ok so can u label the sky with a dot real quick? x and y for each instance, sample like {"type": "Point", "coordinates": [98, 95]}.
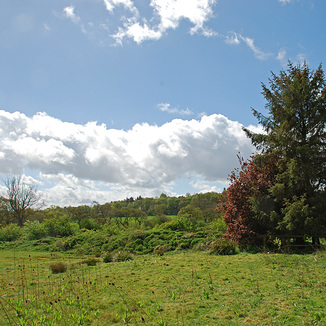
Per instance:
{"type": "Point", "coordinates": [101, 100]}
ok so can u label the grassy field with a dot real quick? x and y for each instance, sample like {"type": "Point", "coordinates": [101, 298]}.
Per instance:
{"type": "Point", "coordinates": [179, 288]}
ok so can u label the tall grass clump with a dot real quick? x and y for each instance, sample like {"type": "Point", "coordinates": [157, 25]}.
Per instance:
{"type": "Point", "coordinates": [223, 246]}
{"type": "Point", "coordinates": [58, 267]}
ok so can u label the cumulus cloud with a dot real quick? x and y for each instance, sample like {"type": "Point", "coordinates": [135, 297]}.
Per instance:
{"type": "Point", "coordinates": [166, 107]}
{"type": "Point", "coordinates": [145, 158]}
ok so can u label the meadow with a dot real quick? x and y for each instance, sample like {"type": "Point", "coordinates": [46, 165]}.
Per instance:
{"type": "Point", "coordinates": [175, 288]}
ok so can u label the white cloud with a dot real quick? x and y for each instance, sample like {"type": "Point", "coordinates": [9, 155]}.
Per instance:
{"type": "Point", "coordinates": [171, 12]}
{"type": "Point", "coordinates": [127, 4]}
{"type": "Point", "coordinates": [166, 107]}
{"type": "Point", "coordinates": [69, 12]}
{"type": "Point", "coordinates": [92, 162]}
{"type": "Point", "coordinates": [167, 15]}
{"type": "Point", "coordinates": [203, 186]}
{"type": "Point", "coordinates": [282, 57]}
{"type": "Point", "coordinates": [139, 33]}
{"type": "Point", "coordinates": [259, 54]}
{"type": "Point", "coordinates": [234, 38]}
{"type": "Point", "coordinates": [284, 2]}
{"type": "Point", "coordinates": [46, 27]}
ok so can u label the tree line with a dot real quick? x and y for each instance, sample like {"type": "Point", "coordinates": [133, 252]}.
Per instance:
{"type": "Point", "coordinates": [23, 204]}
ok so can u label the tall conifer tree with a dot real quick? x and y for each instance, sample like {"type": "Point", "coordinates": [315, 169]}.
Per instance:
{"type": "Point", "coordinates": [295, 133]}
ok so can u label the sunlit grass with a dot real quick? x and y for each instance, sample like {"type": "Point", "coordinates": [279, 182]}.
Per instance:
{"type": "Point", "coordinates": [186, 288]}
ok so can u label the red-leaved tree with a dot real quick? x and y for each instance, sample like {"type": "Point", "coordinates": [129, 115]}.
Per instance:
{"type": "Point", "coordinates": [248, 204]}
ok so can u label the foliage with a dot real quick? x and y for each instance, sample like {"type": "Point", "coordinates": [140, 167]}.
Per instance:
{"type": "Point", "coordinates": [248, 204]}
{"type": "Point", "coordinates": [34, 230]}
{"type": "Point", "coordinates": [107, 257]}
{"type": "Point", "coordinates": [58, 226]}
{"type": "Point", "coordinates": [123, 256]}
{"type": "Point", "coordinates": [5, 215]}
{"type": "Point", "coordinates": [223, 246]}
{"type": "Point", "coordinates": [10, 232]}
{"type": "Point", "coordinates": [286, 195]}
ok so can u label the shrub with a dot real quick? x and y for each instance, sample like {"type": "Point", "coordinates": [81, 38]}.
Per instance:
{"type": "Point", "coordinates": [58, 267]}
{"type": "Point", "coordinates": [223, 246]}
{"type": "Point", "coordinates": [107, 257]}
{"type": "Point", "coordinates": [10, 232]}
{"type": "Point", "coordinates": [150, 223]}
{"type": "Point", "coordinates": [180, 223]}
{"type": "Point", "coordinates": [90, 261]}
{"type": "Point", "coordinates": [123, 256]}
{"type": "Point", "coordinates": [219, 225]}
{"type": "Point", "coordinates": [34, 230]}
{"type": "Point", "coordinates": [58, 227]}
{"type": "Point", "coordinates": [89, 224]}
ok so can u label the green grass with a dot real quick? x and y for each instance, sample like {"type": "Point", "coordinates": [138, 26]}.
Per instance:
{"type": "Point", "coordinates": [185, 288]}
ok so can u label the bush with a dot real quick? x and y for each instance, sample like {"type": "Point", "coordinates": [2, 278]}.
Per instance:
{"type": "Point", "coordinates": [219, 225]}
{"type": "Point", "coordinates": [34, 230]}
{"type": "Point", "coordinates": [90, 261]}
{"type": "Point", "coordinates": [180, 223]}
{"type": "Point", "coordinates": [223, 246]}
{"type": "Point", "coordinates": [107, 257]}
{"type": "Point", "coordinates": [123, 256]}
{"type": "Point", "coordinates": [58, 227]}
{"type": "Point", "coordinates": [10, 232]}
{"type": "Point", "coordinates": [89, 224]}
{"type": "Point", "coordinates": [57, 268]}
{"type": "Point", "coordinates": [150, 223]}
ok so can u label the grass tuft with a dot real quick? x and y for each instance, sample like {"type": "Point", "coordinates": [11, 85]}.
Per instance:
{"type": "Point", "coordinates": [58, 267]}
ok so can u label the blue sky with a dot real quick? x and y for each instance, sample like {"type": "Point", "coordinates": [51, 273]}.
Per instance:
{"type": "Point", "coordinates": [104, 99]}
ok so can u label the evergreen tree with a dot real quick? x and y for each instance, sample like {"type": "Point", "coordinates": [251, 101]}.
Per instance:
{"type": "Point", "coordinates": [295, 132]}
